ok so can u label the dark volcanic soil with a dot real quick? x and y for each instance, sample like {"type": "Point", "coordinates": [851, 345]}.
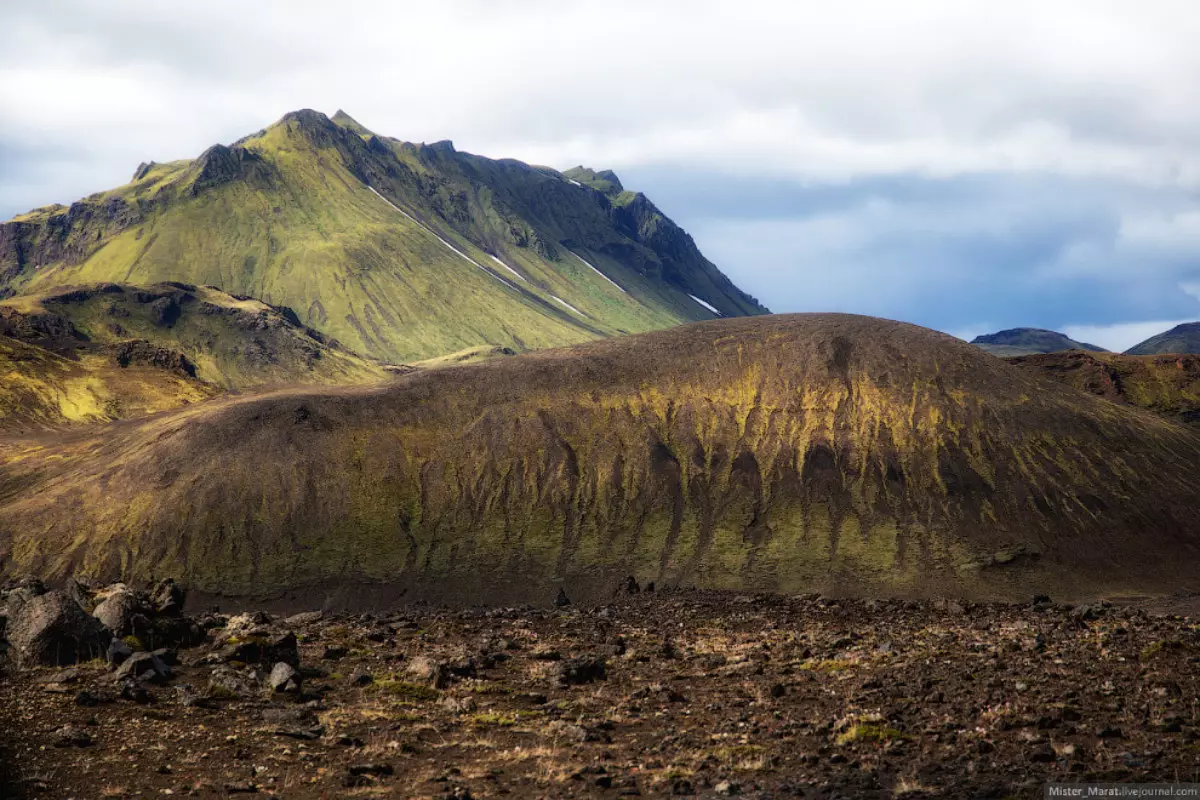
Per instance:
{"type": "Point", "coordinates": [703, 694]}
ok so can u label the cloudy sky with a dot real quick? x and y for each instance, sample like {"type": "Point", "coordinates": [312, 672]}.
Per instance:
{"type": "Point", "coordinates": [967, 165]}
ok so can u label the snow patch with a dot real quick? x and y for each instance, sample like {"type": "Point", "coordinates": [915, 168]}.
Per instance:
{"type": "Point", "coordinates": [435, 235]}
{"type": "Point", "coordinates": [577, 183]}
{"type": "Point", "coordinates": [598, 272]}
{"type": "Point", "coordinates": [568, 305]}
{"type": "Point", "coordinates": [518, 275]}
{"type": "Point", "coordinates": [706, 305]}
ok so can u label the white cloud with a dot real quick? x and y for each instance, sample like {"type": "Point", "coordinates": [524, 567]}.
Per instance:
{"type": "Point", "coordinates": [814, 90]}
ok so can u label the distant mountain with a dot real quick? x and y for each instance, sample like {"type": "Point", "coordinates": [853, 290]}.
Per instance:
{"type": "Point", "coordinates": [400, 251]}
{"type": "Point", "coordinates": [1180, 339]}
{"type": "Point", "coordinates": [809, 452]}
{"type": "Point", "coordinates": [1026, 341]}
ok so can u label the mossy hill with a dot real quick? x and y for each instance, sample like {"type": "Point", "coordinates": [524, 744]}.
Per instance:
{"type": "Point", "coordinates": [793, 453]}
{"type": "Point", "coordinates": [401, 251]}
{"type": "Point", "coordinates": [1180, 339]}
{"type": "Point", "coordinates": [231, 342]}
{"type": "Point", "coordinates": [1168, 385]}
{"type": "Point", "coordinates": [1027, 341]}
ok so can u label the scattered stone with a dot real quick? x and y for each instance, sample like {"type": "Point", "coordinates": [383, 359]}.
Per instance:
{"type": "Point", "coordinates": [427, 671]}
{"type": "Point", "coordinates": [376, 770]}
{"type": "Point", "coordinates": [361, 678]}
{"type": "Point", "coordinates": [304, 618]}
{"type": "Point", "coordinates": [284, 679]}
{"type": "Point", "coordinates": [576, 671]}
{"type": "Point", "coordinates": [727, 789]}
{"type": "Point", "coordinates": [70, 736]}
{"type": "Point", "coordinates": [145, 667]}
{"type": "Point", "coordinates": [118, 652]}
{"type": "Point", "coordinates": [335, 653]}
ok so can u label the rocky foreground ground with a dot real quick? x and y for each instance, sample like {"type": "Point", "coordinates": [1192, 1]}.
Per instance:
{"type": "Point", "coordinates": [682, 693]}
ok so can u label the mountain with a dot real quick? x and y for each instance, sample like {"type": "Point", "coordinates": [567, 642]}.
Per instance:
{"type": "Point", "coordinates": [1180, 339]}
{"type": "Point", "coordinates": [794, 453]}
{"type": "Point", "coordinates": [1027, 341]}
{"type": "Point", "coordinates": [400, 251]}
{"type": "Point", "coordinates": [1168, 385]}
{"type": "Point", "coordinates": [232, 342]}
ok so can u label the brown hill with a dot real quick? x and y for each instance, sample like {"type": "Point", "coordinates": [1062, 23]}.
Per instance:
{"type": "Point", "coordinates": [1168, 385]}
{"type": "Point", "coordinates": [802, 452]}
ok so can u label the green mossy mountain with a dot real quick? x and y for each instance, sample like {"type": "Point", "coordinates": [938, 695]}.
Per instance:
{"type": "Point", "coordinates": [792, 453]}
{"type": "Point", "coordinates": [1027, 341]}
{"type": "Point", "coordinates": [1180, 339]}
{"type": "Point", "coordinates": [400, 251]}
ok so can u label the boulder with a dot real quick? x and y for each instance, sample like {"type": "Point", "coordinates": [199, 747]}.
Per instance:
{"type": "Point", "coordinates": [52, 630]}
{"type": "Point", "coordinates": [121, 613]}
{"type": "Point", "coordinates": [168, 598]}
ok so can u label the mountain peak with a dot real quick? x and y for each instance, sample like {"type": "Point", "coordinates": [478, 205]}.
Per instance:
{"type": "Point", "coordinates": [344, 120]}
{"type": "Point", "coordinates": [604, 181]}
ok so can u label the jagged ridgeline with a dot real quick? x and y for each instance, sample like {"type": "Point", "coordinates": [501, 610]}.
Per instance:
{"type": "Point", "coordinates": [792, 453]}
{"type": "Point", "coordinates": [400, 251]}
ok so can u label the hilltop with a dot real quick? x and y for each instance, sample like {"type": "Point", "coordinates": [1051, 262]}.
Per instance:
{"type": "Point", "coordinates": [400, 251]}
{"type": "Point", "coordinates": [1027, 341]}
{"type": "Point", "coordinates": [789, 453]}
{"type": "Point", "coordinates": [1180, 339]}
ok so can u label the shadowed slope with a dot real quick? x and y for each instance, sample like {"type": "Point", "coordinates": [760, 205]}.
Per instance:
{"type": "Point", "coordinates": [797, 452]}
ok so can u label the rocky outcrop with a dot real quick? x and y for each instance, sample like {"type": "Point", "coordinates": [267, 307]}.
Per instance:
{"type": "Point", "coordinates": [52, 630]}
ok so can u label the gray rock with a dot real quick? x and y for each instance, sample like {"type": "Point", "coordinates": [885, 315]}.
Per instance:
{"type": "Point", "coordinates": [168, 598]}
{"type": "Point", "coordinates": [119, 613]}
{"type": "Point", "coordinates": [226, 683]}
{"type": "Point", "coordinates": [303, 618]}
{"type": "Point", "coordinates": [576, 671]}
{"type": "Point", "coordinates": [52, 630]}
{"type": "Point", "coordinates": [284, 678]}
{"type": "Point", "coordinates": [425, 670]}
{"type": "Point", "coordinates": [145, 667]}
{"type": "Point", "coordinates": [118, 652]}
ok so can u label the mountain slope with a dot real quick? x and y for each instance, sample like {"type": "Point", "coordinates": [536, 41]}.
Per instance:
{"type": "Point", "coordinates": [801, 452]}
{"type": "Point", "coordinates": [1180, 339]}
{"type": "Point", "coordinates": [1027, 341]}
{"type": "Point", "coordinates": [401, 251]}
{"type": "Point", "coordinates": [232, 342]}
{"type": "Point", "coordinates": [1168, 385]}
{"type": "Point", "coordinates": [40, 389]}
